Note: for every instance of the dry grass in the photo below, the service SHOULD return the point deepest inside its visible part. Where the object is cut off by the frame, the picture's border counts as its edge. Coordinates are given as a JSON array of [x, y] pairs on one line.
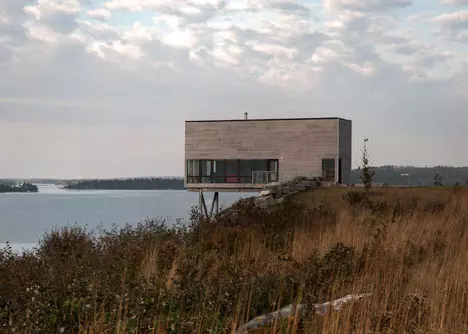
[[406, 246], [418, 251]]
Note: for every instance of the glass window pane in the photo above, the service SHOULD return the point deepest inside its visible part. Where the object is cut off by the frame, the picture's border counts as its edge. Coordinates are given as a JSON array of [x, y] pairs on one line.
[[273, 165], [246, 171], [220, 166], [206, 167], [192, 171], [245, 167], [232, 167], [328, 169], [232, 171], [219, 171], [260, 165], [196, 170], [189, 168]]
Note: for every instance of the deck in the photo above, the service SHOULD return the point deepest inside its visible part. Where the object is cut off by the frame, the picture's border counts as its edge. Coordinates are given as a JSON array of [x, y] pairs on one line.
[[225, 187]]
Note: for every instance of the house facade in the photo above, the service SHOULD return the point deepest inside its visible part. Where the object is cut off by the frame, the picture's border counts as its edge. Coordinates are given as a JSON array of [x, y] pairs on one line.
[[248, 153]]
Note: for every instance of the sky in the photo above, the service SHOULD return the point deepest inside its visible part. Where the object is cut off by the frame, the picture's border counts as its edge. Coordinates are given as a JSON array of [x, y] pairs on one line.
[[101, 88]]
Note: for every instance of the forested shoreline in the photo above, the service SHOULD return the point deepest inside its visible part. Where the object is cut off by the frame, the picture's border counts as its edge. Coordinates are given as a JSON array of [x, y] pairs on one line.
[[415, 176], [129, 184], [21, 188]]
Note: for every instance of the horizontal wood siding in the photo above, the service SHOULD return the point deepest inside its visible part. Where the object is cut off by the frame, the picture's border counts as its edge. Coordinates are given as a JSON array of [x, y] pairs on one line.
[[301, 143]]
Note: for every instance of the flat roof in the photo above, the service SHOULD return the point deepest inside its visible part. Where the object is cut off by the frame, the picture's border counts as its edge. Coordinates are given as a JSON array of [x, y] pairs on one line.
[[268, 119]]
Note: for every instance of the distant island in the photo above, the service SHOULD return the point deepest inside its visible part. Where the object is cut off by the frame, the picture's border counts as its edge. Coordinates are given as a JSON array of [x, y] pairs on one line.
[[416, 176], [129, 184], [22, 188]]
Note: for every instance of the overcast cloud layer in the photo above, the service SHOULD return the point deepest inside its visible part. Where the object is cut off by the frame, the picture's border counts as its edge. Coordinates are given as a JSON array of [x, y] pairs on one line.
[[92, 88]]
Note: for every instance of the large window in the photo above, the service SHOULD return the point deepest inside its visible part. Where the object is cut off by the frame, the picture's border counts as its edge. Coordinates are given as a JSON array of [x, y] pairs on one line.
[[193, 171], [206, 170], [219, 171], [245, 171], [230, 171], [328, 169]]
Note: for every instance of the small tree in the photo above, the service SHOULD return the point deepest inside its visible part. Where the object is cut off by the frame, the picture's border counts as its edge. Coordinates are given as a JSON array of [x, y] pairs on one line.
[[438, 180], [367, 175]]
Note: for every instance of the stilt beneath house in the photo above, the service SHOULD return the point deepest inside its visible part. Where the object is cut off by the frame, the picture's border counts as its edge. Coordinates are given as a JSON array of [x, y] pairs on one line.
[[204, 213]]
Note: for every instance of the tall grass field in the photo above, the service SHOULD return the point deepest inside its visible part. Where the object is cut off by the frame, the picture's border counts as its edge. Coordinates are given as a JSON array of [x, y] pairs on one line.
[[408, 248]]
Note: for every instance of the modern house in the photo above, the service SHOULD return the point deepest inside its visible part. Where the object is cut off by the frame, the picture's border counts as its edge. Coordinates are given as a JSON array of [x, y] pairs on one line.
[[245, 154]]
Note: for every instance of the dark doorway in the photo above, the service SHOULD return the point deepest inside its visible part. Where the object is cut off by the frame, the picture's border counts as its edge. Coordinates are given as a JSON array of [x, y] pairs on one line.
[[328, 169], [340, 176]]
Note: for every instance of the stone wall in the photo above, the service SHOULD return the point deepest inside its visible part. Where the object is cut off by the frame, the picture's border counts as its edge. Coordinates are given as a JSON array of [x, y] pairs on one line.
[[275, 193]]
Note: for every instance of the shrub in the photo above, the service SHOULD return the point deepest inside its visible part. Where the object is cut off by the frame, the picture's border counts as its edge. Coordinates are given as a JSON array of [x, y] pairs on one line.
[[407, 249]]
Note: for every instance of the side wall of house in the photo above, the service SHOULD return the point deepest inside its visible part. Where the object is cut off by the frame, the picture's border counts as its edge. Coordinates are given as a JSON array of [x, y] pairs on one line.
[[299, 145], [346, 149]]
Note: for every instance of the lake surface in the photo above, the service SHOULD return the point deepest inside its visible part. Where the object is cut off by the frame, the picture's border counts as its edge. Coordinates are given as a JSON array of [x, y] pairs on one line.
[[25, 217]]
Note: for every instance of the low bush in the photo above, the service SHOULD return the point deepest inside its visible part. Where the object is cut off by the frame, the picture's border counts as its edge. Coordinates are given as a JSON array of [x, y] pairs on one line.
[[408, 251]]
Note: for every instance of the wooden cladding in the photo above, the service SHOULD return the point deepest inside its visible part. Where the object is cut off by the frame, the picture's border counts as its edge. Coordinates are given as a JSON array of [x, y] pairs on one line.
[[299, 145]]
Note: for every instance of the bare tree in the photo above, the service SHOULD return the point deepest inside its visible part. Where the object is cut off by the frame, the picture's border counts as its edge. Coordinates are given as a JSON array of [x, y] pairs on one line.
[[367, 173]]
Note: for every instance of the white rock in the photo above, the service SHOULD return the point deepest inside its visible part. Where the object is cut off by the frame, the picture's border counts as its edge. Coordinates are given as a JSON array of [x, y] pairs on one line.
[[265, 201], [265, 192]]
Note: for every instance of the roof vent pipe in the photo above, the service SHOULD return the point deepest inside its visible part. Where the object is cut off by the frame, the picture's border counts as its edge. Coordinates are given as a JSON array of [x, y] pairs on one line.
[[246, 116]]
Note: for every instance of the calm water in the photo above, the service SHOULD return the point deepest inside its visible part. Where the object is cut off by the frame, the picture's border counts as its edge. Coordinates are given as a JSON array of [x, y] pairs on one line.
[[25, 217]]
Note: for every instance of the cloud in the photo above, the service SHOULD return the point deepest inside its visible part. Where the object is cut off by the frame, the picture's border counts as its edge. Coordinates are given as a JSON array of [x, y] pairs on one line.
[[138, 68], [366, 5], [454, 25], [456, 2], [457, 20], [99, 14], [60, 16]]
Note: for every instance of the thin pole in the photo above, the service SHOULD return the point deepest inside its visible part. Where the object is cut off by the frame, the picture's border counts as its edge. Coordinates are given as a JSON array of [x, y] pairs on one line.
[[200, 199], [214, 204]]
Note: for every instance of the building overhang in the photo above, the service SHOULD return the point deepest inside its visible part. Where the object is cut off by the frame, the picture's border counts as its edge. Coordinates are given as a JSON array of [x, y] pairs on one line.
[[224, 187]]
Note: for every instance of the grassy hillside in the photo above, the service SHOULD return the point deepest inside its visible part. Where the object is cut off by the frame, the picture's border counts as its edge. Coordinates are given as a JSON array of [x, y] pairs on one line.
[[405, 246]]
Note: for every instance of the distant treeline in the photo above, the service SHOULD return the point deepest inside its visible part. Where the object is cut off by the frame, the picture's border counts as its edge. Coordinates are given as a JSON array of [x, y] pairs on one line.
[[8, 182], [22, 188], [129, 184], [416, 176], [29, 180]]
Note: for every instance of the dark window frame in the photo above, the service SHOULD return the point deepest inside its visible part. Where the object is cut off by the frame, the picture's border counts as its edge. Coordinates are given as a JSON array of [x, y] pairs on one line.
[[213, 176]]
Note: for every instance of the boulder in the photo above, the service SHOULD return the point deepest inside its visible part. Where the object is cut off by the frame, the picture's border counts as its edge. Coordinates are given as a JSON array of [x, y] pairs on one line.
[[264, 201], [300, 186], [270, 186], [279, 200], [298, 179], [309, 184], [274, 193], [278, 192], [266, 192]]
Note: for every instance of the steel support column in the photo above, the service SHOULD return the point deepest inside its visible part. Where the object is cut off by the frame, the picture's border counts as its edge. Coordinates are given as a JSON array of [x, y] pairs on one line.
[[214, 209]]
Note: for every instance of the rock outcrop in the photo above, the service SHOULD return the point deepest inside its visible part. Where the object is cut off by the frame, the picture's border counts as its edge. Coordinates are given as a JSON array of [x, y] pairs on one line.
[[275, 193], [272, 194], [293, 310]]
